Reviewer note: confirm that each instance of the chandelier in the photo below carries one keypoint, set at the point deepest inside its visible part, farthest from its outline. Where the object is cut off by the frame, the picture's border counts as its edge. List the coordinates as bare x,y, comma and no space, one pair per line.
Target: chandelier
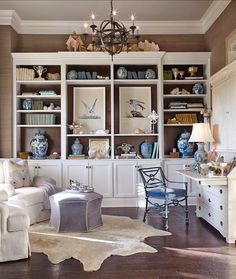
112,36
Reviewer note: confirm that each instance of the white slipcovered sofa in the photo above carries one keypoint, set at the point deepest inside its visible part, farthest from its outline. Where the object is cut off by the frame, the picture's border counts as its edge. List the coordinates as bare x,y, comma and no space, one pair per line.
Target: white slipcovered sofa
20,207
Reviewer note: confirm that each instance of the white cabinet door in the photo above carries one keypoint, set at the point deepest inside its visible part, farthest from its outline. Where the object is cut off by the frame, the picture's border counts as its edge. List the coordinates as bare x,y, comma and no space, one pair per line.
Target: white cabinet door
50,169
100,178
75,171
125,179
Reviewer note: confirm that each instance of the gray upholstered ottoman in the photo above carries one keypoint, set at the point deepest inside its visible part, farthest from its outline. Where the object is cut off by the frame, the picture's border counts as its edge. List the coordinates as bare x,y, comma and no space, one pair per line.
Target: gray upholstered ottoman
75,211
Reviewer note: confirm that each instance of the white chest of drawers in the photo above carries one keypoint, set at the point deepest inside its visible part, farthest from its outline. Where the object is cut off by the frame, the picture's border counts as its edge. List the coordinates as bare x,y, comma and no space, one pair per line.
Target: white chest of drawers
216,202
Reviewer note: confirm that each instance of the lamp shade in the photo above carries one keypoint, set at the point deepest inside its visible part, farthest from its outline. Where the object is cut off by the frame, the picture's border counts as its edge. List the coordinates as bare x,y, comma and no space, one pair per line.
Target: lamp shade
201,133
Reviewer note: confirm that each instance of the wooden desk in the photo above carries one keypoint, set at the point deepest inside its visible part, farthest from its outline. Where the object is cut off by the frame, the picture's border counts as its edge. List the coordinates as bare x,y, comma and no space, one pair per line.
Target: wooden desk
216,201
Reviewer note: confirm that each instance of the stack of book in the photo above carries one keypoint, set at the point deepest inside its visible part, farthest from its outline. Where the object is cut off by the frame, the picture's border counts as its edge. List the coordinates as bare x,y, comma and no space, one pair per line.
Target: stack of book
194,78
76,157
195,105
47,92
128,155
178,105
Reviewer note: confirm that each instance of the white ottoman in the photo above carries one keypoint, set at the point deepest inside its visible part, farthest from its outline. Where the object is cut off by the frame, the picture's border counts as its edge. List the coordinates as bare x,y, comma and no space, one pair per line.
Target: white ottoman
75,211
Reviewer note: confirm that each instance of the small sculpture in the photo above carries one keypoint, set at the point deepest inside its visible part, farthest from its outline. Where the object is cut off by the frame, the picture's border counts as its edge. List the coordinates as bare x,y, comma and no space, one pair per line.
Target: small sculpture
55,76
153,116
125,147
76,127
176,91
147,46
75,43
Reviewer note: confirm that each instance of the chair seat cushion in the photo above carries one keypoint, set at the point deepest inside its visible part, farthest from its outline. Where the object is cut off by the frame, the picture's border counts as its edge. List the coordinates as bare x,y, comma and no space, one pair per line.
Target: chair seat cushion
18,219
171,193
29,195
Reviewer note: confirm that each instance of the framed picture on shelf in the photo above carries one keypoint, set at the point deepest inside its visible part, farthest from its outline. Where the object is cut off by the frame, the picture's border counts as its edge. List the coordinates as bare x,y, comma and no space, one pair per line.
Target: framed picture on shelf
89,108
135,106
230,47
99,148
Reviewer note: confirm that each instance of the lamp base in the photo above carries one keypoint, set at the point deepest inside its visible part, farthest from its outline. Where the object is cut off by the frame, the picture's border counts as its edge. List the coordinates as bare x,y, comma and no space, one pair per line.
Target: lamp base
200,157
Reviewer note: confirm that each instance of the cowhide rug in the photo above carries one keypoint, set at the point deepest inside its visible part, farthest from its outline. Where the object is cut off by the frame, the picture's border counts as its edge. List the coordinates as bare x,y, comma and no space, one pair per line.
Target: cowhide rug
118,236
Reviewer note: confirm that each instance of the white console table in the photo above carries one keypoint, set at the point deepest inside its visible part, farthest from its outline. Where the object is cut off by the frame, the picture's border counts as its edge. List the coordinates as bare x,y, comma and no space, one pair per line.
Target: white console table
216,201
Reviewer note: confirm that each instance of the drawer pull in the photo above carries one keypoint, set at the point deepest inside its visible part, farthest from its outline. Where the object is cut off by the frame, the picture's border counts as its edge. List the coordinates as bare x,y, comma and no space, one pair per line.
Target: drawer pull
221,191
221,223
209,186
209,214
221,207
199,195
209,200
199,207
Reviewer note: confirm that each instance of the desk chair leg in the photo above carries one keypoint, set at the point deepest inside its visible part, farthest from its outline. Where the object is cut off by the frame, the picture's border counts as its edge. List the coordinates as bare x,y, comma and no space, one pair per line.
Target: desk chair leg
146,210
165,216
186,210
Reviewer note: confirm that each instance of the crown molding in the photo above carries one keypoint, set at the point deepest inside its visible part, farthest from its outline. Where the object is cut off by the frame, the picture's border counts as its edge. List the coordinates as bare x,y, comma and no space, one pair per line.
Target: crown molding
212,13
10,17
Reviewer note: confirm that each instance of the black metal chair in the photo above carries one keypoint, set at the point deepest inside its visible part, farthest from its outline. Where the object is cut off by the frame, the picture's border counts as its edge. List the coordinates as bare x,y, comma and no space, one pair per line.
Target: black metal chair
159,196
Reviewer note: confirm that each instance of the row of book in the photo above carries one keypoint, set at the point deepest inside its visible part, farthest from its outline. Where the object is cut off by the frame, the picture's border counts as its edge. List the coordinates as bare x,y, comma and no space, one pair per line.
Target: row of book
40,119
25,74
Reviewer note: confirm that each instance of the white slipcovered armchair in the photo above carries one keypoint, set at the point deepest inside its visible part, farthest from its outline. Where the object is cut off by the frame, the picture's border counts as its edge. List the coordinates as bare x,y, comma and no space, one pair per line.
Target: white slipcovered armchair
14,224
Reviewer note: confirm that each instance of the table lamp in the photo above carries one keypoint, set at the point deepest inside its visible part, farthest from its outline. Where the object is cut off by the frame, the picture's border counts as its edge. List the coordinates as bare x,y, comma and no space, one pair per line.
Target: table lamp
201,134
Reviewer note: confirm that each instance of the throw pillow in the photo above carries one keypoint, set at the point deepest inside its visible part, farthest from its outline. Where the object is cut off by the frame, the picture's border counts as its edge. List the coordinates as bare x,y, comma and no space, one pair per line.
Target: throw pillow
17,174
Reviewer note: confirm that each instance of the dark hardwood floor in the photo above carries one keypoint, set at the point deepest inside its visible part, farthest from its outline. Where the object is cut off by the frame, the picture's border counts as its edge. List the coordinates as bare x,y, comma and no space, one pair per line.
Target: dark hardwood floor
197,252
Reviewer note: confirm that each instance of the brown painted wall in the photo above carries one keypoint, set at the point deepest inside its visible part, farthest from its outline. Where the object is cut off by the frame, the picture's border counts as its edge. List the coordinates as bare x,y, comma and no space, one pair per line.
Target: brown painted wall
48,43
215,36
7,36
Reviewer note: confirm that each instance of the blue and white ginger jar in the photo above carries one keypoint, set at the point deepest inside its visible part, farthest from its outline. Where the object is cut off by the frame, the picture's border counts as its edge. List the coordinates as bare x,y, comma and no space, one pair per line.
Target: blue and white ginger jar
77,147
146,149
39,145
185,147
27,104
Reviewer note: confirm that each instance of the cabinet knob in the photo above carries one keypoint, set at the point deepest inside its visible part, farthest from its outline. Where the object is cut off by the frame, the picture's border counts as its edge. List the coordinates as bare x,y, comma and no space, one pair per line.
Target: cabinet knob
221,223
221,207
209,186
209,214
209,200
221,191
87,167
199,195
137,167
199,207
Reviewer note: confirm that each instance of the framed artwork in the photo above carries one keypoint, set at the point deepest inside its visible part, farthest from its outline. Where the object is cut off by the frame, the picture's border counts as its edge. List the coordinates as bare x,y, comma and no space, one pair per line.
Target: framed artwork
230,47
89,108
135,106
98,148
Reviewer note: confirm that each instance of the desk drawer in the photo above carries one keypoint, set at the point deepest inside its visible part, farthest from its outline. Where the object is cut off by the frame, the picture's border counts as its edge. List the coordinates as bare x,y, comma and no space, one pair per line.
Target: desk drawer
217,190
213,201
215,217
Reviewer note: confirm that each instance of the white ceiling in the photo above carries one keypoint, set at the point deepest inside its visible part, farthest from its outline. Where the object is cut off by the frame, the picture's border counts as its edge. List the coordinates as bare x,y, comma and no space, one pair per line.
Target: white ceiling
153,16
144,10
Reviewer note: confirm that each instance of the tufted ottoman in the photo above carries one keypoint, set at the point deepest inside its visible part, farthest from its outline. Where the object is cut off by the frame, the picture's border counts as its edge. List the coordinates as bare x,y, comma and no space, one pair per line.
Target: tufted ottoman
75,211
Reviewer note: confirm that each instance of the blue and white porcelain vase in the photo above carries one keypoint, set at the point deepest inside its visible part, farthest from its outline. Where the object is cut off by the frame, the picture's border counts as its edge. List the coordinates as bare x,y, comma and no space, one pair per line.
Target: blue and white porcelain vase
146,149
77,147
39,145
185,147
122,73
27,104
